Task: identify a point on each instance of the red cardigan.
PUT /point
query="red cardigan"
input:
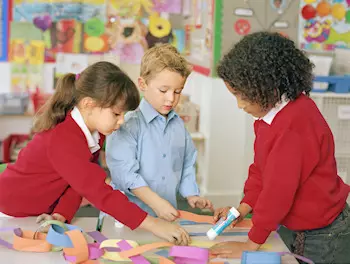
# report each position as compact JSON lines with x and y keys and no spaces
{"x":52,"y":174}
{"x":293,"y":180}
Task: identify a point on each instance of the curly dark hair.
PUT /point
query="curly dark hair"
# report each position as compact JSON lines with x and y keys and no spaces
{"x":263,"y":66}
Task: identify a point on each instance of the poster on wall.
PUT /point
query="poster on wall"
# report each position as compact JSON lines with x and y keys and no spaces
{"x":4,"y":29}
{"x":324,"y":25}
{"x":26,"y":55}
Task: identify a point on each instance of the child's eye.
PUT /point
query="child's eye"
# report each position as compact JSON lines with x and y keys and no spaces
{"x":163,"y":91}
{"x":178,"y":92}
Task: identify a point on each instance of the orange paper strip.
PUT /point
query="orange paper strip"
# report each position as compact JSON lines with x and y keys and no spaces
{"x":25,"y":242}
{"x":144,"y":248}
{"x":196,"y":218}
{"x":80,"y":248}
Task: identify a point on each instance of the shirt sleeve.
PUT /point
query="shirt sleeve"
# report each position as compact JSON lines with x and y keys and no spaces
{"x":188,"y":183}
{"x":282,"y":174}
{"x":252,"y":186}
{"x":68,"y":204}
{"x":121,"y":157}
{"x":71,"y":158}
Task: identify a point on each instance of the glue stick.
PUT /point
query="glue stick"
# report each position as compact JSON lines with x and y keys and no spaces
{"x":220,"y":226}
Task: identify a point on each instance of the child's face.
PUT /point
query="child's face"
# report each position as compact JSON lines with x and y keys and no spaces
{"x":163,"y":90}
{"x":105,"y":120}
{"x":250,"y":108}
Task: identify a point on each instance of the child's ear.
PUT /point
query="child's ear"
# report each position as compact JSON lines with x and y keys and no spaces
{"x":142,"y":84}
{"x":87,"y":103}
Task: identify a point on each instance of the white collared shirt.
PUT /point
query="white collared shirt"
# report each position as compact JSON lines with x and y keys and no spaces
{"x":268,"y":118}
{"x":92,"y":139}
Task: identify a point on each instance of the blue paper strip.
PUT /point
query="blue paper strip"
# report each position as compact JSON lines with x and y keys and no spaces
{"x":57,"y":237}
{"x":186,"y":222}
{"x":4,"y":30}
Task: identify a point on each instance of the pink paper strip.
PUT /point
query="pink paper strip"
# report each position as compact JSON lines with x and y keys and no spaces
{"x":181,"y":255}
{"x":124,"y":245}
{"x":94,"y":253}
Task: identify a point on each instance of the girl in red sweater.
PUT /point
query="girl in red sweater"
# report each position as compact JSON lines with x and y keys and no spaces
{"x":293,"y":181}
{"x":59,"y":166}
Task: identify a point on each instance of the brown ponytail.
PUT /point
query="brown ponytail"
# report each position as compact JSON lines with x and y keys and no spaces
{"x":57,"y":107}
{"x":103,"y":81}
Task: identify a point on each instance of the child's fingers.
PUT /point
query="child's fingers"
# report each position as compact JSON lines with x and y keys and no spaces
{"x":192,"y":203}
{"x":43,"y":217}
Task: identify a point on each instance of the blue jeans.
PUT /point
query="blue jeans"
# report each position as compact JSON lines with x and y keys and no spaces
{"x":328,"y":245}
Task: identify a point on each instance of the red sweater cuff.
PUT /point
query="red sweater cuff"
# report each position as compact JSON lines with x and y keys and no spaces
{"x":249,"y":200}
{"x":135,"y":222}
{"x":68,"y":216}
{"x":258,"y":235}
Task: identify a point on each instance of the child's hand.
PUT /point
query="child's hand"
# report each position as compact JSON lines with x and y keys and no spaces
{"x":199,"y":202}
{"x":45,"y":217}
{"x":165,"y":210}
{"x":232,"y":249}
{"x":167,"y":231}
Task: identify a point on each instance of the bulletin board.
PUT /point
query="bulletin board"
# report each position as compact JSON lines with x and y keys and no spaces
{"x":324,"y":25}
{"x":242,"y":17}
{"x":199,"y":30}
{"x":4,"y":20}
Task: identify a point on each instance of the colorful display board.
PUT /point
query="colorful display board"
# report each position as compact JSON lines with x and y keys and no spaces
{"x":324,"y":25}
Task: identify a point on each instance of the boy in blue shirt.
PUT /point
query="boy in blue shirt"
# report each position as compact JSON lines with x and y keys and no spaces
{"x":152,"y":156}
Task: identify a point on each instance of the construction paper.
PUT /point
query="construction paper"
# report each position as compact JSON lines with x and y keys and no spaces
{"x":196,"y":218}
{"x":113,"y":243}
{"x":144,"y":248}
{"x":57,"y":237}
{"x":123,"y":245}
{"x":80,"y":248}
{"x":189,"y":255}
{"x":23,"y":241}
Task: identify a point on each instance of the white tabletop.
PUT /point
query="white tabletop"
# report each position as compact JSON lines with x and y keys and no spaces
{"x":110,"y":231}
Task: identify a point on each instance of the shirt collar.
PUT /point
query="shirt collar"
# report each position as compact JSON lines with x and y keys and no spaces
{"x":91,"y":138}
{"x":150,"y":113}
{"x":270,"y":116}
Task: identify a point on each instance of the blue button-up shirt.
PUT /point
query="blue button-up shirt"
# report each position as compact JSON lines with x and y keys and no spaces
{"x":151,"y":150}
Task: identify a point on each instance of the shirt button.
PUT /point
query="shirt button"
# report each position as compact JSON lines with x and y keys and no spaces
{"x":163,"y":178}
{"x":164,"y":155}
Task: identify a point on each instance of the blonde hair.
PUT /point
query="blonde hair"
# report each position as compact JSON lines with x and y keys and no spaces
{"x":161,"y":57}
{"x":103,"y":81}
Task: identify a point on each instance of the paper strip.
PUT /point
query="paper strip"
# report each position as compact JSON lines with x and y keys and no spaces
{"x":23,"y":241}
{"x":123,"y":245}
{"x":142,"y":249}
{"x":80,"y":248}
{"x":189,"y":253}
{"x":94,"y":253}
{"x":97,"y":236}
{"x":196,"y":218}
{"x":57,"y":237}
{"x":112,"y":243}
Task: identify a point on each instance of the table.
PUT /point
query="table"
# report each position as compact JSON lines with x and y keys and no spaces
{"x":110,"y":231}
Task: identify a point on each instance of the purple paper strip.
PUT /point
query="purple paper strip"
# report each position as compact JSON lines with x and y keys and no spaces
{"x":97,"y":236}
{"x":94,"y":253}
{"x":124,"y":245}
{"x":3,"y":242}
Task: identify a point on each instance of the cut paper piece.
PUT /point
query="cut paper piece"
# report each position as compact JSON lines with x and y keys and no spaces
{"x":243,"y":12}
{"x":113,"y":243}
{"x":57,"y":237}
{"x":123,"y":245}
{"x":94,"y":253}
{"x":196,"y":218}
{"x":242,"y":27}
{"x":281,"y":24}
{"x":23,"y":241}
{"x":189,"y":255}
{"x":97,"y":236}
{"x":3,"y":242}
{"x":163,"y":253}
{"x":142,"y":249}
{"x":80,"y":249}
